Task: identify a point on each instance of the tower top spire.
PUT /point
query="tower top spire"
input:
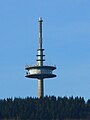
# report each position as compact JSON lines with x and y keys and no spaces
{"x":40,"y":19}
{"x":40,"y":32}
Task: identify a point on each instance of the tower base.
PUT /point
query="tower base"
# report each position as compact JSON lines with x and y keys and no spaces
{"x":40,"y":88}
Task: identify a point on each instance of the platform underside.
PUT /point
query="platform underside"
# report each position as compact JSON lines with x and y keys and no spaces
{"x":40,"y":76}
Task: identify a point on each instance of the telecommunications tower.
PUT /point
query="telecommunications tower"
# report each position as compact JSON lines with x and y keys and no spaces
{"x":40,"y":71}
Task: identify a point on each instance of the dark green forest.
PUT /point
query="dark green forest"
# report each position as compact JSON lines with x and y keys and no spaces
{"x":47,"y":108}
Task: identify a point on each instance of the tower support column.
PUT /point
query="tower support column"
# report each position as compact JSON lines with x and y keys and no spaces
{"x":40,"y":88}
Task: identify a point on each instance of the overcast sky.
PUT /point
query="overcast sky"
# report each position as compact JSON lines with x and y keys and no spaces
{"x":66,"y":40}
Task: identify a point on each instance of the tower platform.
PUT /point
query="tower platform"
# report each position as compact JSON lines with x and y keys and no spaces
{"x":40,"y":72}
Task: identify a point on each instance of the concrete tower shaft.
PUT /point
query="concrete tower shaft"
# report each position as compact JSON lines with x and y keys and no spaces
{"x":40,"y":59}
{"x":40,"y":88}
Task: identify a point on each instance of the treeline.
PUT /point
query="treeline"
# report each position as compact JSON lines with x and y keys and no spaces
{"x":48,"y":108}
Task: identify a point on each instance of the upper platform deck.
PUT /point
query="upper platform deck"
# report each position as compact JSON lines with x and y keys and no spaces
{"x":40,"y":71}
{"x":40,"y":67}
